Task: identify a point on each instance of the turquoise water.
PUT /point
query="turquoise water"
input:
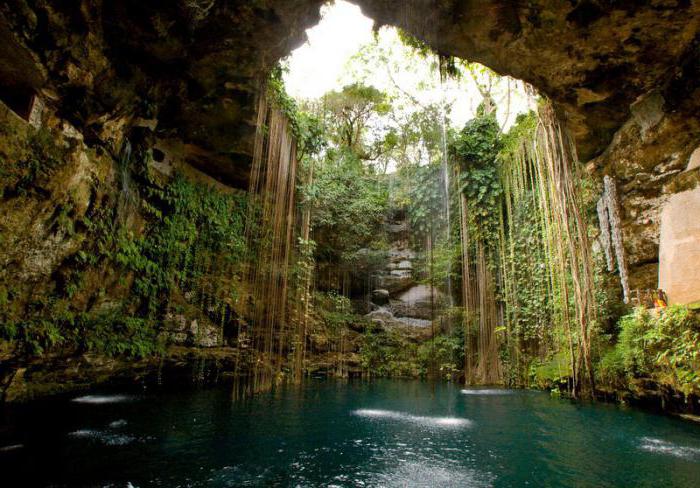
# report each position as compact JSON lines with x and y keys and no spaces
{"x":383,"y":433}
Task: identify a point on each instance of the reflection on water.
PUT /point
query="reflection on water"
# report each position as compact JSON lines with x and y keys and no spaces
{"x":428,"y":473}
{"x":486,"y":391}
{"x":106,"y":438}
{"x":416,"y":419}
{"x":333,"y":434}
{"x":665,"y":447}
{"x":100,"y":399}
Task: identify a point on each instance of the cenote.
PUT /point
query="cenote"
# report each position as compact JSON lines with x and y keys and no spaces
{"x":431,"y":243}
{"x":389,"y":433}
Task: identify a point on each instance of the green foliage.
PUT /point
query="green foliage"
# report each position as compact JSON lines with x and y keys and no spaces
{"x":43,"y":157}
{"x":192,"y":244}
{"x":349,"y":113}
{"x":446,"y":352}
{"x":531,"y":316}
{"x":389,"y":354}
{"x":521,"y":132}
{"x":106,"y":333}
{"x":426,"y":209}
{"x":35,"y":335}
{"x":115,"y":334}
{"x":475,"y":151}
{"x":477,"y":145}
{"x":550,"y":373}
{"x":632,"y":339}
{"x":348,"y":206}
{"x":665,"y":348}
{"x":611,"y":368}
{"x":307,"y":129}
{"x":335,"y":310}
{"x":193,"y":228}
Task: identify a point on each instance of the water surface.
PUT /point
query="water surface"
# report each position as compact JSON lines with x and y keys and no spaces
{"x":334,"y":434}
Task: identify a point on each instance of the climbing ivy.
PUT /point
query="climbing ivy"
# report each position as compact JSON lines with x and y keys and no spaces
{"x":189,"y":248}
{"x":475,"y":151}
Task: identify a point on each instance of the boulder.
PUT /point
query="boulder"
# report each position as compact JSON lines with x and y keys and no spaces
{"x":416,"y":302}
{"x":380,"y":296}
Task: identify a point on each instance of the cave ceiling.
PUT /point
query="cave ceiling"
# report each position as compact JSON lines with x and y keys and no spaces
{"x":195,"y":65}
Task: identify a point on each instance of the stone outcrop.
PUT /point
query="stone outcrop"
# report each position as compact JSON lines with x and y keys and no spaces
{"x":400,"y":301}
{"x":194,"y":71}
{"x":397,"y":275}
{"x":52,"y":375}
{"x":650,"y":159}
{"x":417,"y":302}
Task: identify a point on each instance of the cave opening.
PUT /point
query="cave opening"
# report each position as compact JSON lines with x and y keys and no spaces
{"x":364,"y":251}
{"x":420,"y":179}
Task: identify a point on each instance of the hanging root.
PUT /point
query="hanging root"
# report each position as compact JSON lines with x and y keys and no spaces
{"x":272,"y":205}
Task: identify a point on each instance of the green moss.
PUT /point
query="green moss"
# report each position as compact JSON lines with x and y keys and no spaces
{"x":192,"y":244}
{"x":41,"y":157}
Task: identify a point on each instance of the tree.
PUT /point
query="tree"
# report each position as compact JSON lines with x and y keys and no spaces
{"x":351,"y":111}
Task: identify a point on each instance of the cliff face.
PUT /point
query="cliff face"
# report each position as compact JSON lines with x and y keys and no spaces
{"x":179,"y":79}
{"x":189,"y":69}
{"x":623,"y":74}
{"x":650,"y":159}
{"x":194,"y":64}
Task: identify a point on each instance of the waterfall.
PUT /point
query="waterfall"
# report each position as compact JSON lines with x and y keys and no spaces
{"x":126,"y":194}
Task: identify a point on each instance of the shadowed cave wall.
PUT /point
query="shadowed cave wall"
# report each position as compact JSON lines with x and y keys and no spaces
{"x":181,"y":78}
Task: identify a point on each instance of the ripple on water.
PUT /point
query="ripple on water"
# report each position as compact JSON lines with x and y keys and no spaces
{"x":100,"y":399}
{"x":417,"y":419}
{"x":664,"y":447}
{"x":13,"y":447}
{"x":427,"y":474}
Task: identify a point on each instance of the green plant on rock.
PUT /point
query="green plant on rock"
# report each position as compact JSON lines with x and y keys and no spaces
{"x":43,"y":156}
{"x":663,"y":347}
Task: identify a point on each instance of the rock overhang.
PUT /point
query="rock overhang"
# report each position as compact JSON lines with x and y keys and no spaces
{"x":196,"y":67}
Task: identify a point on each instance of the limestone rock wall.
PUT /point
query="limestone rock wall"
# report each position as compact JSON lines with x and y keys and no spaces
{"x":195,"y":71}
{"x":679,"y":255}
{"x":625,"y":76}
{"x":651,"y":159}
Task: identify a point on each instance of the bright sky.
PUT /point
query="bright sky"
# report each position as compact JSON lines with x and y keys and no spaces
{"x":316,"y":67}
{"x":328,"y":61}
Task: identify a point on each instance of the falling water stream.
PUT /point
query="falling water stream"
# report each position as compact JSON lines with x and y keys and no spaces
{"x":343,"y":434}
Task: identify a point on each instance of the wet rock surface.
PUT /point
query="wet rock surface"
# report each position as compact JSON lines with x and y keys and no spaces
{"x":400,"y":301}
